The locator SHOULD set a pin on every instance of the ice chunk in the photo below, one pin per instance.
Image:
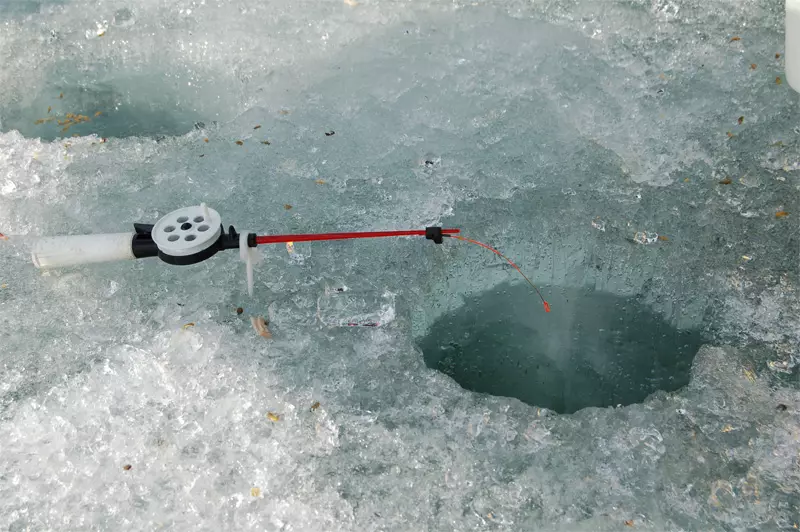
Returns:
(343, 307)
(644, 237)
(124, 18)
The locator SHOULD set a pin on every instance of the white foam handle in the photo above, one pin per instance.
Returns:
(791, 53)
(63, 251)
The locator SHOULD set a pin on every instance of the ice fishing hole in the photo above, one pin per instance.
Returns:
(593, 349)
(132, 102)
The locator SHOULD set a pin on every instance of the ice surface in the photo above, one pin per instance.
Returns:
(553, 130)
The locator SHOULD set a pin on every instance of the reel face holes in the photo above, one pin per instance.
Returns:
(187, 231)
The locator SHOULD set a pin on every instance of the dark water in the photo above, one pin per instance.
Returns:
(593, 349)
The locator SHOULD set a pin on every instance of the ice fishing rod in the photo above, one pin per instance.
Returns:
(194, 234)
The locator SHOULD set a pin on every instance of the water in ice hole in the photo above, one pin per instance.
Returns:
(599, 349)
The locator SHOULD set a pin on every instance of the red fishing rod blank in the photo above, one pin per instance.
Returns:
(277, 239)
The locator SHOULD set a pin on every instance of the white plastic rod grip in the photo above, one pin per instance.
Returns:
(63, 251)
(791, 53)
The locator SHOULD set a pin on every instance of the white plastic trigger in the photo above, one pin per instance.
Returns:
(250, 256)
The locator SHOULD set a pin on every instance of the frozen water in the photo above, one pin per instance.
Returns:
(557, 131)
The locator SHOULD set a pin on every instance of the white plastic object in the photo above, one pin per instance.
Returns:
(64, 251)
(187, 231)
(250, 256)
(792, 50)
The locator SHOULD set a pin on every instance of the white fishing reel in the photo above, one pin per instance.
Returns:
(183, 237)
